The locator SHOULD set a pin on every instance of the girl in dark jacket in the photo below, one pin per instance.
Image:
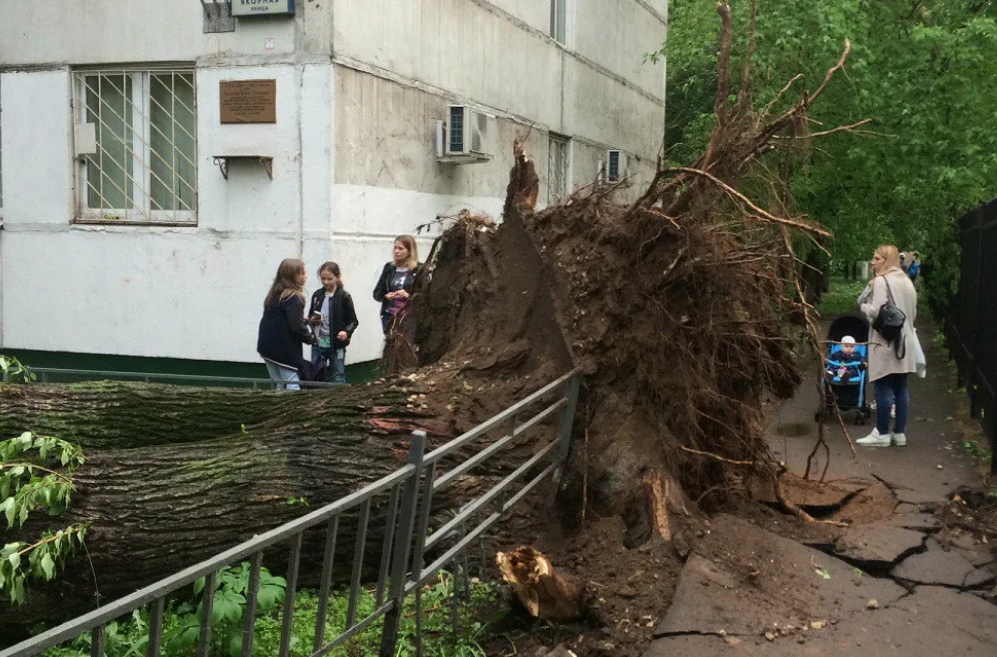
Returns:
(334, 320)
(283, 329)
(395, 284)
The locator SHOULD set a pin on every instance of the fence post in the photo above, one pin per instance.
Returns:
(403, 543)
(564, 429)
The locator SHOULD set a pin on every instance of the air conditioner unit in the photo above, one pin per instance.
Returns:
(617, 166)
(465, 136)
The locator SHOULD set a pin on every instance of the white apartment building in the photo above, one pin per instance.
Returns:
(146, 200)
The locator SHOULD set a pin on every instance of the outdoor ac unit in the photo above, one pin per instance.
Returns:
(617, 166)
(465, 136)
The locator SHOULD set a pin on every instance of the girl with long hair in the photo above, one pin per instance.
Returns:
(334, 319)
(395, 284)
(283, 329)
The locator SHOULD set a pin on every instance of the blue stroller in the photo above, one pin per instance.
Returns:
(849, 389)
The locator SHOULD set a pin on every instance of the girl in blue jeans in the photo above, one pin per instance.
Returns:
(333, 320)
(890, 363)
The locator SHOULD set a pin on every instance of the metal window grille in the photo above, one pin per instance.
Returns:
(558, 19)
(613, 166)
(557, 168)
(143, 167)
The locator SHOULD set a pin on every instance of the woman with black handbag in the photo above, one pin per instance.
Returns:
(892, 308)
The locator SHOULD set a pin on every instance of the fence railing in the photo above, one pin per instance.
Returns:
(971, 321)
(405, 546)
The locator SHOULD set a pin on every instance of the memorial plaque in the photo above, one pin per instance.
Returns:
(249, 101)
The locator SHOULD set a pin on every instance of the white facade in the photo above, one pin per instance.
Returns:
(359, 89)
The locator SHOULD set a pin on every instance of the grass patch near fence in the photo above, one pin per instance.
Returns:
(840, 300)
(129, 637)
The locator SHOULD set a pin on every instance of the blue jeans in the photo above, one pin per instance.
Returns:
(890, 390)
(284, 377)
(334, 361)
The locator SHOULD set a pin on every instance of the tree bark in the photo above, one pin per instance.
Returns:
(176, 475)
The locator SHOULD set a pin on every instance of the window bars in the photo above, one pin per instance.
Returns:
(557, 168)
(137, 145)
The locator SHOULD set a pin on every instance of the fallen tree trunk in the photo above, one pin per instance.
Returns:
(176, 475)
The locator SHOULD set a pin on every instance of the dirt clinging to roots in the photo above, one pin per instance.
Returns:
(679, 335)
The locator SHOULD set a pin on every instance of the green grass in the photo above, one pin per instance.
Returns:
(129, 638)
(840, 300)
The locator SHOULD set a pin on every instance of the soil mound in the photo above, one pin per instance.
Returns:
(680, 329)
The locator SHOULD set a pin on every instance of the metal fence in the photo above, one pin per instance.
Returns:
(971, 319)
(407, 543)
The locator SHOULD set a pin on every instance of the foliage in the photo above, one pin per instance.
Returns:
(14, 371)
(29, 481)
(44, 559)
(227, 612)
(840, 299)
(921, 70)
(26, 485)
(129, 638)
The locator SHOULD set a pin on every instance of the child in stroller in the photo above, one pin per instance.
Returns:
(845, 361)
(845, 378)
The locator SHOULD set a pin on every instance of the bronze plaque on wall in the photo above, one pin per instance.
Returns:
(249, 101)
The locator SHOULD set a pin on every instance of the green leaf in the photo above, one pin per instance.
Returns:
(48, 567)
(17, 594)
(15, 560)
(8, 508)
(234, 644)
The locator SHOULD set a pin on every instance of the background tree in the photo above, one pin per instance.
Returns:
(921, 70)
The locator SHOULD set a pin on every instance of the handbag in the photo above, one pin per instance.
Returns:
(920, 362)
(890, 321)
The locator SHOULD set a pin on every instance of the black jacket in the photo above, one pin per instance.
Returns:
(282, 332)
(342, 315)
(384, 284)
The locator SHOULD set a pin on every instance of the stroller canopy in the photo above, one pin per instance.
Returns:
(852, 325)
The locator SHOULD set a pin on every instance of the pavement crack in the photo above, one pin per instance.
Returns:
(716, 633)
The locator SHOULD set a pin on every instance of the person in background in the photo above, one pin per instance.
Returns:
(914, 268)
(395, 284)
(889, 364)
(283, 329)
(334, 320)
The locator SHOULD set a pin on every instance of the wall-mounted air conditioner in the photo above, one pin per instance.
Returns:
(616, 167)
(465, 136)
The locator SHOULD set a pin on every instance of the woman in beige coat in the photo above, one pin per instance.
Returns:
(889, 364)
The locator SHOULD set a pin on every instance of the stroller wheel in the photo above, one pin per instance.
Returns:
(859, 418)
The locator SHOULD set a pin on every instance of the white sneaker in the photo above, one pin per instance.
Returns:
(874, 440)
(898, 439)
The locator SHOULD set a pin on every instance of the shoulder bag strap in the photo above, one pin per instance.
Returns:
(889, 291)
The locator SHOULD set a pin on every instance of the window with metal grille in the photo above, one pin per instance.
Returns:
(137, 145)
(557, 168)
(558, 19)
(613, 166)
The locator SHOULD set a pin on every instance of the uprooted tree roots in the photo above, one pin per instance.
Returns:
(683, 309)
